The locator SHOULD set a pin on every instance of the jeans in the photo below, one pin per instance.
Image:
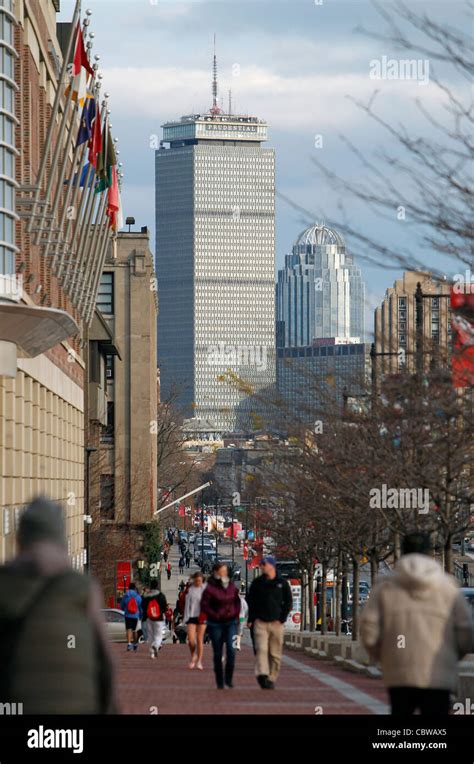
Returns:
(405, 700)
(223, 634)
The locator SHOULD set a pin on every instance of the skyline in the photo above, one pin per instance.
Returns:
(275, 60)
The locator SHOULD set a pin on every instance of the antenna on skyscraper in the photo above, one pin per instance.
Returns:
(215, 108)
(230, 101)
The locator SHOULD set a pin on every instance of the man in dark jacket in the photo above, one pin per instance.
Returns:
(269, 600)
(153, 615)
(54, 652)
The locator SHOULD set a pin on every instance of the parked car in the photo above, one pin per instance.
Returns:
(468, 592)
(115, 624)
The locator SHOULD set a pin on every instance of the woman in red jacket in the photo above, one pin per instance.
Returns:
(221, 605)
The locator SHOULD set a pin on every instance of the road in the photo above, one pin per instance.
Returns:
(305, 686)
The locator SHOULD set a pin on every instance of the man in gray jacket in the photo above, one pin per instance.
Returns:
(417, 625)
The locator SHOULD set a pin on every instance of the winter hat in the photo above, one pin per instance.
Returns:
(42, 520)
(269, 561)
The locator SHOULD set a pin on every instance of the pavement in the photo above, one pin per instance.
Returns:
(305, 686)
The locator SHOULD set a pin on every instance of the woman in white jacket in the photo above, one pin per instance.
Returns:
(193, 620)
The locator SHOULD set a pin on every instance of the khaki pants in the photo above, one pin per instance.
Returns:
(268, 638)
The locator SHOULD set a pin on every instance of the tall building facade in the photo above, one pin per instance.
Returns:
(321, 355)
(123, 469)
(45, 311)
(402, 337)
(215, 254)
(320, 292)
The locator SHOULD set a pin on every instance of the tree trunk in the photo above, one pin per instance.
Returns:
(338, 585)
(448, 554)
(355, 598)
(323, 597)
(374, 568)
(312, 622)
(397, 553)
(303, 602)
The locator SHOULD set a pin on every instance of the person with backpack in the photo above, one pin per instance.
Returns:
(187, 558)
(181, 564)
(42, 603)
(168, 571)
(154, 607)
(131, 606)
(169, 617)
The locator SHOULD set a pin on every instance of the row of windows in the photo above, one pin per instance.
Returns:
(7, 261)
(6, 96)
(7, 193)
(6, 129)
(105, 296)
(6, 62)
(6, 228)
(6, 28)
(6, 162)
(308, 352)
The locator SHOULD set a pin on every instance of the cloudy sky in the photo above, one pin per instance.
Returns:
(299, 64)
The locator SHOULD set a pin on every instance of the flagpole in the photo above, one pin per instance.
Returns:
(89, 257)
(60, 183)
(90, 194)
(82, 248)
(55, 109)
(97, 240)
(77, 161)
(57, 148)
(89, 308)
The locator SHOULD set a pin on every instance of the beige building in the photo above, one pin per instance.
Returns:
(405, 337)
(123, 492)
(45, 312)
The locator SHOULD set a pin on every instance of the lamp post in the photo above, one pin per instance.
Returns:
(87, 517)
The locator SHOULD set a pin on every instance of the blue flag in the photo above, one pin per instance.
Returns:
(85, 128)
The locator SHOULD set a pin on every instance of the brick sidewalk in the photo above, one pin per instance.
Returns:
(305, 686)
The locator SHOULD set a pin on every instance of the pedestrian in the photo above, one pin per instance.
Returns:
(243, 616)
(169, 617)
(154, 607)
(42, 603)
(269, 601)
(195, 620)
(131, 606)
(220, 604)
(168, 571)
(146, 589)
(417, 624)
(181, 564)
(187, 558)
(165, 555)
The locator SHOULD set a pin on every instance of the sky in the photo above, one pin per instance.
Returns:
(298, 64)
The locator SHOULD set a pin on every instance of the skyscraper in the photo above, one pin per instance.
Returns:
(320, 292)
(215, 262)
(321, 355)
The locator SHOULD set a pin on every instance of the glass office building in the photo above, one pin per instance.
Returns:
(320, 292)
(215, 188)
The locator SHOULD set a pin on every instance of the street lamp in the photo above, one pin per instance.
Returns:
(87, 516)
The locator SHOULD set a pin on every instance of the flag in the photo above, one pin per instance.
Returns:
(95, 143)
(81, 60)
(82, 179)
(105, 160)
(87, 117)
(80, 91)
(113, 200)
(117, 218)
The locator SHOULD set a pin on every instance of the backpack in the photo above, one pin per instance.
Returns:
(153, 611)
(132, 606)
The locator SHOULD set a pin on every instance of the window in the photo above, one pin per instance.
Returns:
(107, 497)
(109, 367)
(105, 297)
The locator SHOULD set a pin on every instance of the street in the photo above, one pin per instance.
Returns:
(305, 686)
